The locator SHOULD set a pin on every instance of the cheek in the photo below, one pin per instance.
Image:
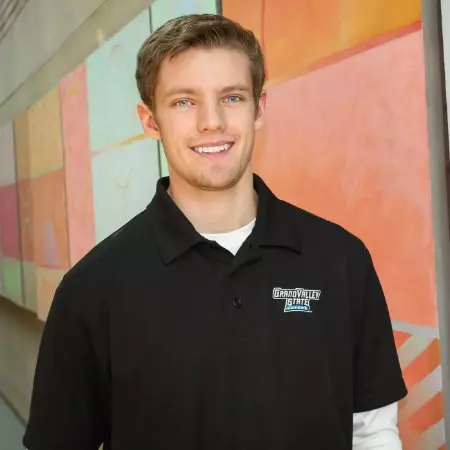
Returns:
(242, 119)
(177, 127)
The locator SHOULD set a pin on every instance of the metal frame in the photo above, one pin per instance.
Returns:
(436, 30)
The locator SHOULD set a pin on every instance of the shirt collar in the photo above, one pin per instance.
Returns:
(175, 235)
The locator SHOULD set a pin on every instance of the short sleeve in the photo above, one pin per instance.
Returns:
(66, 407)
(378, 379)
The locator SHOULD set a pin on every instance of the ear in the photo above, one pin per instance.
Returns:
(261, 110)
(148, 121)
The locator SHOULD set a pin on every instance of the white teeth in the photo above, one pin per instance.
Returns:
(216, 149)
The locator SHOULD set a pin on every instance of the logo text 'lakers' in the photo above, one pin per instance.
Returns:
(297, 299)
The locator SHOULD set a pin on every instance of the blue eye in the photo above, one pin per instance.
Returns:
(233, 99)
(183, 103)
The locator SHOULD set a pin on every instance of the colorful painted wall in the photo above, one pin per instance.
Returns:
(346, 137)
(75, 166)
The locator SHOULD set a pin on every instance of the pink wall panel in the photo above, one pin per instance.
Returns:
(50, 238)
(78, 167)
(349, 142)
(9, 222)
(26, 219)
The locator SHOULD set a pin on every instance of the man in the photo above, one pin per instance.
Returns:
(220, 318)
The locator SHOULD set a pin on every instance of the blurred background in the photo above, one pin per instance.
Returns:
(356, 132)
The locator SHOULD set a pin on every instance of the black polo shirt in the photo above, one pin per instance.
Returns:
(161, 340)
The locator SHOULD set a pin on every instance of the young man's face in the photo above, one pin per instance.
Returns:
(205, 116)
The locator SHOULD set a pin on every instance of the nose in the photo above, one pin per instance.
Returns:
(210, 117)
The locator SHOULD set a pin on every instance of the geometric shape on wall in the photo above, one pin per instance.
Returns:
(349, 142)
(50, 221)
(421, 414)
(9, 222)
(124, 184)
(77, 163)
(45, 138)
(51, 258)
(400, 337)
(434, 436)
(47, 281)
(12, 280)
(7, 158)
(367, 19)
(298, 33)
(26, 219)
(112, 90)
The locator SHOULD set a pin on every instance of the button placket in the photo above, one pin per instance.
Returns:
(237, 302)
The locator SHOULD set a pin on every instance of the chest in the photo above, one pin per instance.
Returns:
(277, 303)
(244, 351)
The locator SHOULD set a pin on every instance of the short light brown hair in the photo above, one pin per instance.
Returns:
(196, 30)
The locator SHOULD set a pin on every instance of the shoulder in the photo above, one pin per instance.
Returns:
(319, 234)
(99, 271)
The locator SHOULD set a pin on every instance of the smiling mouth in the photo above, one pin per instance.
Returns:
(212, 149)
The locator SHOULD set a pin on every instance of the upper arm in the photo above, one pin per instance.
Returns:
(378, 378)
(67, 410)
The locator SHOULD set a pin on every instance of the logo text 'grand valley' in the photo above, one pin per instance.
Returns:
(297, 299)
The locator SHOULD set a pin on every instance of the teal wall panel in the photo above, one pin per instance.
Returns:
(112, 91)
(124, 183)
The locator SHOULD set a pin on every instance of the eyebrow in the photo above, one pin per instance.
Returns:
(191, 91)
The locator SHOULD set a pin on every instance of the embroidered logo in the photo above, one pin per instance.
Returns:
(297, 299)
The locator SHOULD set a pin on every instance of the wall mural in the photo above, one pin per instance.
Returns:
(346, 137)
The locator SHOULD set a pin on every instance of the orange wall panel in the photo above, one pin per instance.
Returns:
(21, 144)
(47, 283)
(45, 136)
(299, 35)
(363, 20)
(299, 32)
(248, 14)
(349, 142)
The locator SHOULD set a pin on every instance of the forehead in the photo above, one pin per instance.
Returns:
(204, 69)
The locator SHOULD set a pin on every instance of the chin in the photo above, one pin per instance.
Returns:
(216, 183)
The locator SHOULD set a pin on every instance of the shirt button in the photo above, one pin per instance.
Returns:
(237, 302)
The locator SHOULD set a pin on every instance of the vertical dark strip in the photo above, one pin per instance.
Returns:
(150, 18)
(64, 169)
(261, 39)
(437, 117)
(7, 18)
(19, 221)
(158, 144)
(219, 9)
(444, 103)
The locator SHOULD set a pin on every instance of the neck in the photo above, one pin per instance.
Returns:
(216, 211)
